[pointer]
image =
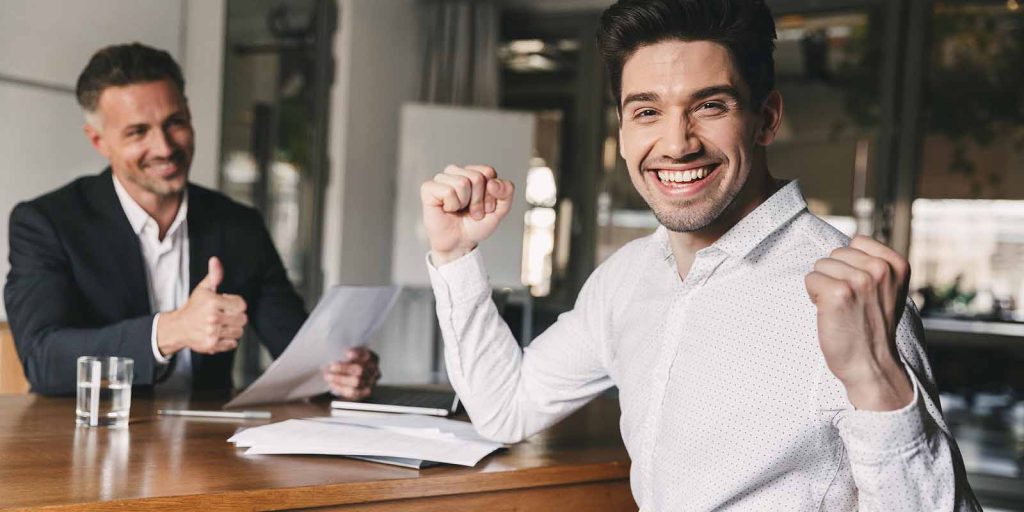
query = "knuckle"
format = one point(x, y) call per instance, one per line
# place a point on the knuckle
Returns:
point(818, 265)
point(486, 170)
point(862, 280)
point(901, 267)
point(837, 296)
point(879, 270)
point(841, 294)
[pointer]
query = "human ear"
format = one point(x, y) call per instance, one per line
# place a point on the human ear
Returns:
point(771, 118)
point(95, 137)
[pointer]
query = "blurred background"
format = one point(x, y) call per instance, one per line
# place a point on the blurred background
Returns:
point(904, 121)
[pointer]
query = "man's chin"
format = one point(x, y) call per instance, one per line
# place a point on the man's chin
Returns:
point(688, 217)
point(687, 224)
point(166, 187)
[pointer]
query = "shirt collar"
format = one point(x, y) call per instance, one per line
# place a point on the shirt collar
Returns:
point(759, 224)
point(753, 229)
point(138, 218)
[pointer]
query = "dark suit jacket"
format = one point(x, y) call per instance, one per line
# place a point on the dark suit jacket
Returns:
point(77, 284)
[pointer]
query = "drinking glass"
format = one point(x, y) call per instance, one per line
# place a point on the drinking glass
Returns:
point(104, 391)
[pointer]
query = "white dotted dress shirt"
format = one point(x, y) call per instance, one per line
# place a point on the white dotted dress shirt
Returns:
point(727, 403)
point(167, 274)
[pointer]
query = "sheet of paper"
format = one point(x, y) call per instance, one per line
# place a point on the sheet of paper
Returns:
point(413, 424)
point(345, 317)
point(305, 437)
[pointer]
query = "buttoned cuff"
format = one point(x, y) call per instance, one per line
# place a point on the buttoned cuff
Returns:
point(160, 359)
point(459, 281)
point(872, 436)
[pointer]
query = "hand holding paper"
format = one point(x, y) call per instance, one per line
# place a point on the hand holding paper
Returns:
point(354, 377)
point(344, 318)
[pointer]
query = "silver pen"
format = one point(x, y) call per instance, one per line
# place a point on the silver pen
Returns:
point(241, 415)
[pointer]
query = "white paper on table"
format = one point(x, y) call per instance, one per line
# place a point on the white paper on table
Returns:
point(412, 424)
point(304, 437)
point(345, 317)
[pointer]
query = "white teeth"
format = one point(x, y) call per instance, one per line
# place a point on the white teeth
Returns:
point(685, 176)
point(674, 176)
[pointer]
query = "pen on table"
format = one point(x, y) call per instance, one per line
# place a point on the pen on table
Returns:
point(242, 415)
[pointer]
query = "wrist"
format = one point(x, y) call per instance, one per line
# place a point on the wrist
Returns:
point(886, 388)
point(439, 258)
point(167, 342)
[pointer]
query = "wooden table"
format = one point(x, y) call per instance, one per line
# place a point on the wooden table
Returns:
point(187, 464)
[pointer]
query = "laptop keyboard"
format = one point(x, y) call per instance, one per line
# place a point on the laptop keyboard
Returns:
point(413, 398)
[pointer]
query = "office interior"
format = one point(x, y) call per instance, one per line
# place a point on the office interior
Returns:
point(904, 120)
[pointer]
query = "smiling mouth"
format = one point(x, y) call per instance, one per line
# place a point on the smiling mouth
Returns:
point(689, 176)
point(163, 166)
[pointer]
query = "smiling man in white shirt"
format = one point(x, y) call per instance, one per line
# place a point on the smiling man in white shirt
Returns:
point(764, 361)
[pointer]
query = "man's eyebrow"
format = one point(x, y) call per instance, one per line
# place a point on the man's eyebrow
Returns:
point(715, 90)
point(642, 97)
point(136, 126)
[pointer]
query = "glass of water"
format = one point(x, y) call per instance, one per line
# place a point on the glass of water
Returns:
point(104, 391)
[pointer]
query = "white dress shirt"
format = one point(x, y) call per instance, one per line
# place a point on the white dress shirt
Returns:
point(167, 274)
point(726, 399)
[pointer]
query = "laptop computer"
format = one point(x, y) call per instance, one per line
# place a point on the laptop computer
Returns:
point(408, 400)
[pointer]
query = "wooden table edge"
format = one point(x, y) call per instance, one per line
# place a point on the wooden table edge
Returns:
point(350, 493)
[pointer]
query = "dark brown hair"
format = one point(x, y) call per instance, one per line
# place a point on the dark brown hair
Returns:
point(744, 27)
point(124, 64)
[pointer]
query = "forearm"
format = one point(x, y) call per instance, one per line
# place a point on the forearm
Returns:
point(905, 458)
point(510, 393)
point(277, 316)
point(276, 311)
point(483, 360)
point(49, 354)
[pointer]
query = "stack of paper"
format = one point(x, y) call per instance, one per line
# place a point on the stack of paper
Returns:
point(371, 435)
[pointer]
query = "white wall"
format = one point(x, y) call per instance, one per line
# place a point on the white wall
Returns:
point(202, 62)
point(378, 69)
point(44, 44)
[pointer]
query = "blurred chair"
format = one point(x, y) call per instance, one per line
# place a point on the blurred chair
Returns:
point(12, 378)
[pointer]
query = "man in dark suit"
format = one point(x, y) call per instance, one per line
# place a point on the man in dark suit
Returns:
point(137, 262)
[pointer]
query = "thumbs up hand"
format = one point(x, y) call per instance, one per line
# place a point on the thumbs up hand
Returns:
point(208, 323)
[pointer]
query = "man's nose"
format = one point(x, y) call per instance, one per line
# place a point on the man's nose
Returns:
point(161, 144)
point(680, 140)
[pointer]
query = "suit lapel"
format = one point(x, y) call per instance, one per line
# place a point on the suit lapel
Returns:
point(205, 241)
point(116, 237)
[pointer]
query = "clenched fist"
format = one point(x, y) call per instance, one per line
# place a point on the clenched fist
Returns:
point(860, 293)
point(208, 323)
point(462, 206)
